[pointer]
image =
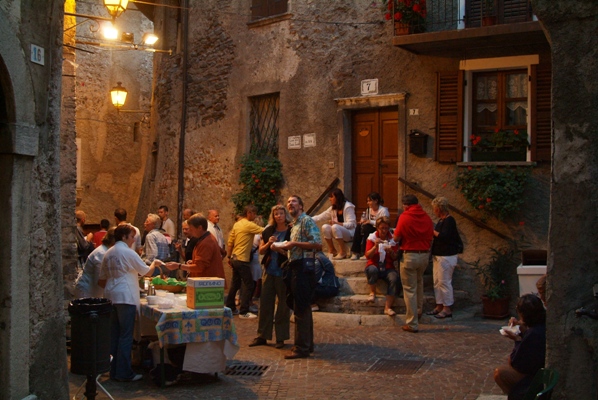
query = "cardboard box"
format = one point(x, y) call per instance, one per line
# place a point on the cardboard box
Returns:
point(205, 293)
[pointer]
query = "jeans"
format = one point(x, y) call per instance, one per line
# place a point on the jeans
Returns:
point(121, 341)
point(302, 287)
point(242, 280)
point(391, 278)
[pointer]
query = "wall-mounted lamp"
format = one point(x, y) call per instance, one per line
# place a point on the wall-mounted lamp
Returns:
point(149, 39)
point(116, 7)
point(118, 94)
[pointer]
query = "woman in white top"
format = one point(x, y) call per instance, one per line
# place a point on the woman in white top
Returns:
point(119, 276)
point(87, 283)
point(367, 224)
point(340, 226)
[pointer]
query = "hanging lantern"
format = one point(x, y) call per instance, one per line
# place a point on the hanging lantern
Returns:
point(118, 95)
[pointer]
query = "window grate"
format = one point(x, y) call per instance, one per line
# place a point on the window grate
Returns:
point(263, 133)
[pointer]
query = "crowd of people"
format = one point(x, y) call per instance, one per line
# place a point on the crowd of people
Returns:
point(294, 271)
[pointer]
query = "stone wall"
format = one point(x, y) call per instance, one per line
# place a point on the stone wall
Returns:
point(319, 54)
point(572, 342)
point(32, 334)
point(113, 146)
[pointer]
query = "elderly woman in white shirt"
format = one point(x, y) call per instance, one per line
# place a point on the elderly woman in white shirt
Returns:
point(340, 226)
point(119, 275)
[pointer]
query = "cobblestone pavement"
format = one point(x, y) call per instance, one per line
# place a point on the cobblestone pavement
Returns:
point(458, 360)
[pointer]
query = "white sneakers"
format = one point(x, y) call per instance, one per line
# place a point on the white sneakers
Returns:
point(248, 315)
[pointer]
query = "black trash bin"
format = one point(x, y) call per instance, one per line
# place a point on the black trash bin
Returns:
point(90, 336)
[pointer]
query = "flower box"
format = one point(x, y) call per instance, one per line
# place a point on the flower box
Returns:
point(496, 309)
point(499, 155)
point(401, 29)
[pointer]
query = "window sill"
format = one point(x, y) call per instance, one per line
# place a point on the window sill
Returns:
point(269, 20)
point(497, 163)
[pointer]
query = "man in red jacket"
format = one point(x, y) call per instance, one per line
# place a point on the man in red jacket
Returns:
point(415, 231)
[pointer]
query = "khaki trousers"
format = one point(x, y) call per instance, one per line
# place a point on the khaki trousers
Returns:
point(413, 266)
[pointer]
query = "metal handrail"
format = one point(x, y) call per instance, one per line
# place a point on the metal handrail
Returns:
point(456, 210)
point(334, 183)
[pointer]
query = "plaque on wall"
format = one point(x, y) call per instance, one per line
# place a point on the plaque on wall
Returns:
point(294, 142)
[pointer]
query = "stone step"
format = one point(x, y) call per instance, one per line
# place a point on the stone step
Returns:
point(359, 285)
point(323, 319)
point(359, 304)
point(346, 268)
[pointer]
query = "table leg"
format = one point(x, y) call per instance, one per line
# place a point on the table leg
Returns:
point(162, 372)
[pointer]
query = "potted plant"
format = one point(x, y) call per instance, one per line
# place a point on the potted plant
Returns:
point(488, 12)
point(409, 16)
point(493, 190)
point(501, 145)
point(495, 275)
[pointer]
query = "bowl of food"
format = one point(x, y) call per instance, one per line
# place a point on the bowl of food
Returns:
point(171, 284)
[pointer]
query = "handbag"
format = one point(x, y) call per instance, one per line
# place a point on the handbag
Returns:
point(309, 265)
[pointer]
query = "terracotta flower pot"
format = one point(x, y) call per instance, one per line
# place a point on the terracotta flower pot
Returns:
point(488, 20)
point(497, 309)
point(401, 29)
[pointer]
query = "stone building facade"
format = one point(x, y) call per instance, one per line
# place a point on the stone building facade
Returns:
point(314, 59)
point(32, 330)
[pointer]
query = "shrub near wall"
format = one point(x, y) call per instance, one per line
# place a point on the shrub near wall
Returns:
point(261, 180)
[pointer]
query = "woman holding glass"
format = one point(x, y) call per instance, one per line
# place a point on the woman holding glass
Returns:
point(367, 224)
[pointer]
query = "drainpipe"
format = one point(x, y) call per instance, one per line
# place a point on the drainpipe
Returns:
point(181, 172)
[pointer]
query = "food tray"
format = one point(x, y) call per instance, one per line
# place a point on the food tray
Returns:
point(170, 288)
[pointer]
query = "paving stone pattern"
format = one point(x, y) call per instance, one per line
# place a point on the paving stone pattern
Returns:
point(459, 357)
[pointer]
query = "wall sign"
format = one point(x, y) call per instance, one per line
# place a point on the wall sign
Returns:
point(369, 86)
point(309, 140)
point(37, 54)
point(294, 142)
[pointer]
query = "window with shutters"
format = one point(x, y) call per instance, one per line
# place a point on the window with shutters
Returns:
point(267, 8)
point(481, 106)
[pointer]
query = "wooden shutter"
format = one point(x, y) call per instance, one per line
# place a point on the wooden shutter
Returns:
point(473, 13)
point(512, 11)
point(277, 7)
point(259, 9)
point(449, 117)
point(541, 120)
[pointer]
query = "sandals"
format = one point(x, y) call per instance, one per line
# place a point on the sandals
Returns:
point(442, 315)
point(372, 297)
point(390, 312)
point(339, 257)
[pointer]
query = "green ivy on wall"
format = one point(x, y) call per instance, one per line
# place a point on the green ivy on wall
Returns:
point(261, 180)
point(498, 192)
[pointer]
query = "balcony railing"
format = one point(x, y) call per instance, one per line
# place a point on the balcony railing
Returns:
point(444, 15)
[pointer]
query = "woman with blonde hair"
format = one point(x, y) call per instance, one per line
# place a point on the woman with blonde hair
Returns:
point(444, 254)
point(273, 286)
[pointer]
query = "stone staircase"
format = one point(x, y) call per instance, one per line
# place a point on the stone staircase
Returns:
point(355, 290)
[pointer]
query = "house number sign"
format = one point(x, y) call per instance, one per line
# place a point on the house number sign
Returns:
point(37, 54)
point(369, 86)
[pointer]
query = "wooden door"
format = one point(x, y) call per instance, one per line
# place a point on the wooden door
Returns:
point(375, 158)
